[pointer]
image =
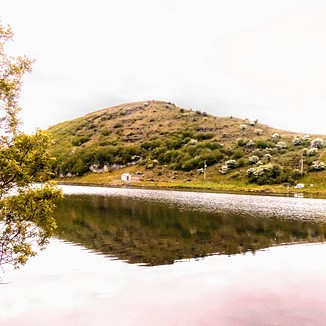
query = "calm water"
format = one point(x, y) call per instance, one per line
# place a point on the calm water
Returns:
point(145, 257)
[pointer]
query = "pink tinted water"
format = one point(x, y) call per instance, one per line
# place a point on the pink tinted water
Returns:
point(66, 285)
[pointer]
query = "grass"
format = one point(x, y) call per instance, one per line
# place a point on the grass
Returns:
point(313, 185)
point(112, 136)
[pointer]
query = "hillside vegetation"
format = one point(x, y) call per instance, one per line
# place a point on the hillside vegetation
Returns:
point(162, 144)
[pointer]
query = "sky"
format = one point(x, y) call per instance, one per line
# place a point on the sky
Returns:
point(255, 59)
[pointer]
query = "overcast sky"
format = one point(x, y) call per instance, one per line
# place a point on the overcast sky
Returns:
point(256, 59)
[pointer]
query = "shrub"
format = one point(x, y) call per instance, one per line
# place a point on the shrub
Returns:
point(211, 145)
point(227, 151)
point(267, 157)
point(269, 174)
point(317, 166)
point(149, 166)
point(156, 152)
point(204, 135)
point(242, 142)
point(105, 132)
point(262, 143)
point(92, 126)
point(259, 171)
point(253, 159)
point(187, 133)
point(224, 169)
point(276, 136)
point(77, 141)
point(306, 137)
point(311, 151)
point(281, 145)
point(236, 175)
point(296, 141)
point(192, 164)
point(317, 143)
point(282, 151)
point(150, 145)
point(167, 157)
point(174, 143)
point(250, 143)
point(268, 150)
point(241, 163)
point(256, 152)
point(231, 164)
point(212, 157)
point(237, 154)
point(192, 142)
point(80, 167)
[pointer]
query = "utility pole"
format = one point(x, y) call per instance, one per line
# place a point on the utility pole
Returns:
point(205, 167)
point(301, 170)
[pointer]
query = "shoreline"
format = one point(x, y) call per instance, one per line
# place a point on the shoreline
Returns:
point(270, 190)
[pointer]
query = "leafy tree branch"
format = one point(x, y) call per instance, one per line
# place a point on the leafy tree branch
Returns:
point(26, 220)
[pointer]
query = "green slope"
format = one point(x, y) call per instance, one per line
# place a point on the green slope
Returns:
point(163, 144)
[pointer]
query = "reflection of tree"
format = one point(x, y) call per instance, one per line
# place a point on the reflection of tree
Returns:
point(155, 233)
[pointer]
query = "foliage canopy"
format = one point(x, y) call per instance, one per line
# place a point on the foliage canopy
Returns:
point(26, 221)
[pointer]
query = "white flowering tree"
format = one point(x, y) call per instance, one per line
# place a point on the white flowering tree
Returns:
point(230, 164)
point(296, 141)
point(271, 174)
point(281, 145)
point(306, 137)
point(317, 143)
point(276, 136)
point(260, 170)
point(317, 166)
point(311, 151)
point(254, 159)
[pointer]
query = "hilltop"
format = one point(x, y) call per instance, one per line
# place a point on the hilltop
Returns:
point(161, 144)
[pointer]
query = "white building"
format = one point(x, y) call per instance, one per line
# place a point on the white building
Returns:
point(126, 177)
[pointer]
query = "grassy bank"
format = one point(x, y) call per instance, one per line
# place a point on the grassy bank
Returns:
point(314, 183)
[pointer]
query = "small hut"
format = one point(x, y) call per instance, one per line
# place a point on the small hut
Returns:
point(126, 177)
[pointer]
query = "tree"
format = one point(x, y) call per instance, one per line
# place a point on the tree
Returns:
point(317, 143)
point(26, 220)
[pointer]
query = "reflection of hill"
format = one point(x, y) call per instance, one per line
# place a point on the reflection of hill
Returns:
point(156, 234)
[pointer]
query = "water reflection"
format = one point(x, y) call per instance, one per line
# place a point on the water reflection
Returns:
point(156, 233)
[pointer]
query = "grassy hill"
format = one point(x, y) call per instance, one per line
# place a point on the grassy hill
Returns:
point(161, 144)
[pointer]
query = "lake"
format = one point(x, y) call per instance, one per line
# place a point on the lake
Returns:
point(126, 256)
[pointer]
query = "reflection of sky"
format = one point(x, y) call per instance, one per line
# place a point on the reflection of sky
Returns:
point(66, 285)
